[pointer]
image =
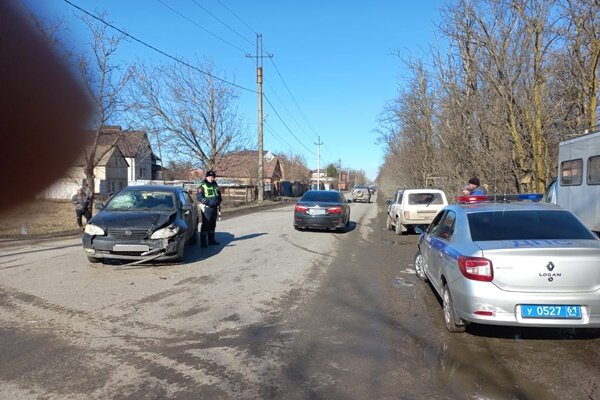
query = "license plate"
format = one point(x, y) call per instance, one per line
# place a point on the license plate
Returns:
point(130, 247)
point(550, 311)
point(317, 212)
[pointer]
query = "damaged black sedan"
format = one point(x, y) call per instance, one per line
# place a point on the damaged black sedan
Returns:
point(142, 223)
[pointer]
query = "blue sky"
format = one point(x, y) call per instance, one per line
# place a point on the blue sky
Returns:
point(337, 58)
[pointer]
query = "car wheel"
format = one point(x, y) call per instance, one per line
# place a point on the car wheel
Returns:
point(180, 252)
point(389, 223)
point(449, 314)
point(194, 237)
point(398, 227)
point(93, 260)
point(420, 267)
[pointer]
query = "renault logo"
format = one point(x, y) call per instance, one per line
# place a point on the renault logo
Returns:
point(550, 266)
point(128, 233)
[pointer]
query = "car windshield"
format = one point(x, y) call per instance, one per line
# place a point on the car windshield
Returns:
point(329, 197)
point(360, 188)
point(425, 198)
point(526, 225)
point(141, 200)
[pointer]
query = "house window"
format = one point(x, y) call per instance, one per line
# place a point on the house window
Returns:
point(571, 172)
point(142, 172)
point(116, 162)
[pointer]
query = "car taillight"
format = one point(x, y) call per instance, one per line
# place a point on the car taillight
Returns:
point(300, 208)
point(406, 214)
point(476, 268)
point(334, 210)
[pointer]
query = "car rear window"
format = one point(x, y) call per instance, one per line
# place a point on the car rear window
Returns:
point(425, 198)
point(332, 197)
point(526, 225)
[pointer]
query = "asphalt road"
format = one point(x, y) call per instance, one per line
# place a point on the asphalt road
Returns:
point(271, 313)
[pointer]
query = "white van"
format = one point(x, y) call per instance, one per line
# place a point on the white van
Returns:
point(412, 207)
point(577, 187)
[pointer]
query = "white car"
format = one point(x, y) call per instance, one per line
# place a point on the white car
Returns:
point(514, 263)
point(413, 207)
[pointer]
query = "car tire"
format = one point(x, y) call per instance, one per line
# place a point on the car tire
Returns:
point(389, 223)
point(180, 253)
point(94, 260)
point(194, 237)
point(398, 227)
point(420, 267)
point(449, 314)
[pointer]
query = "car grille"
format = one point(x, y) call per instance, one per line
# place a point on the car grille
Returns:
point(128, 234)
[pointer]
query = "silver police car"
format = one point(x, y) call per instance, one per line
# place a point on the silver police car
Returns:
point(511, 263)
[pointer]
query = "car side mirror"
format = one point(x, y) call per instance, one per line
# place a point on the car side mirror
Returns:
point(99, 206)
point(420, 229)
point(349, 200)
point(388, 201)
point(186, 207)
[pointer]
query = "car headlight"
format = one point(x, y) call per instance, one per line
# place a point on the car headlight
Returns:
point(94, 230)
point(165, 233)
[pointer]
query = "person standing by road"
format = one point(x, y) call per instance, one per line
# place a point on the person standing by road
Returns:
point(82, 206)
point(209, 196)
point(474, 188)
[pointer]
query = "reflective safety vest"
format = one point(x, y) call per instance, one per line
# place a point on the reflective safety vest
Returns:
point(210, 191)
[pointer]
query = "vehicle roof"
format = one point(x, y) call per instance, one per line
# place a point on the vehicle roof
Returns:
point(164, 188)
point(514, 206)
point(420, 190)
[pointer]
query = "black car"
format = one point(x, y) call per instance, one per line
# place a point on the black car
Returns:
point(322, 209)
point(142, 222)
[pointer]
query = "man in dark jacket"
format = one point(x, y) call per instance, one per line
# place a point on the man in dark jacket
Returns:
point(209, 197)
point(82, 206)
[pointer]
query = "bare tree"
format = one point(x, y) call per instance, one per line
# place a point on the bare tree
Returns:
point(195, 113)
point(583, 46)
point(105, 81)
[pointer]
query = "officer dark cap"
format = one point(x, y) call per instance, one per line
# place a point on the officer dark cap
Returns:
point(211, 173)
point(474, 181)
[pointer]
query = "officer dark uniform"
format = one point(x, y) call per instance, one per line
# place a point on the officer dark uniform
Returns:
point(210, 196)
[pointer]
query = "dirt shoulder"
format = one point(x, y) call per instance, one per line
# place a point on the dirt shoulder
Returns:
point(49, 219)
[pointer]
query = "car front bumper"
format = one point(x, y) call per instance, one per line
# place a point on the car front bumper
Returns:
point(110, 248)
point(470, 297)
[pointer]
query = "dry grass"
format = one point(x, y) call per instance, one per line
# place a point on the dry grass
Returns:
point(40, 217)
point(49, 217)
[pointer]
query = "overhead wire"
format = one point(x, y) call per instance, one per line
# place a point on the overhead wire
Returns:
point(281, 139)
point(222, 22)
point(286, 125)
point(157, 49)
point(203, 28)
point(239, 19)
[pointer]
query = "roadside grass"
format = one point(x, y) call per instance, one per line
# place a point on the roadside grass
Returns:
point(53, 217)
point(38, 218)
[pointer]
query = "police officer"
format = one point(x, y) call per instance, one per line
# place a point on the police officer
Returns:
point(209, 196)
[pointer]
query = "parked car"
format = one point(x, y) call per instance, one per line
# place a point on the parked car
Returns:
point(516, 264)
point(142, 222)
point(412, 207)
point(361, 193)
point(322, 209)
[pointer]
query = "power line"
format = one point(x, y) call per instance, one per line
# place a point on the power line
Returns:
point(218, 19)
point(292, 97)
point(281, 139)
point(235, 15)
point(156, 49)
point(287, 127)
point(289, 112)
point(201, 27)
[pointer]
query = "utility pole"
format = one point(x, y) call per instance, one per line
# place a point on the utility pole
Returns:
point(259, 81)
point(319, 144)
